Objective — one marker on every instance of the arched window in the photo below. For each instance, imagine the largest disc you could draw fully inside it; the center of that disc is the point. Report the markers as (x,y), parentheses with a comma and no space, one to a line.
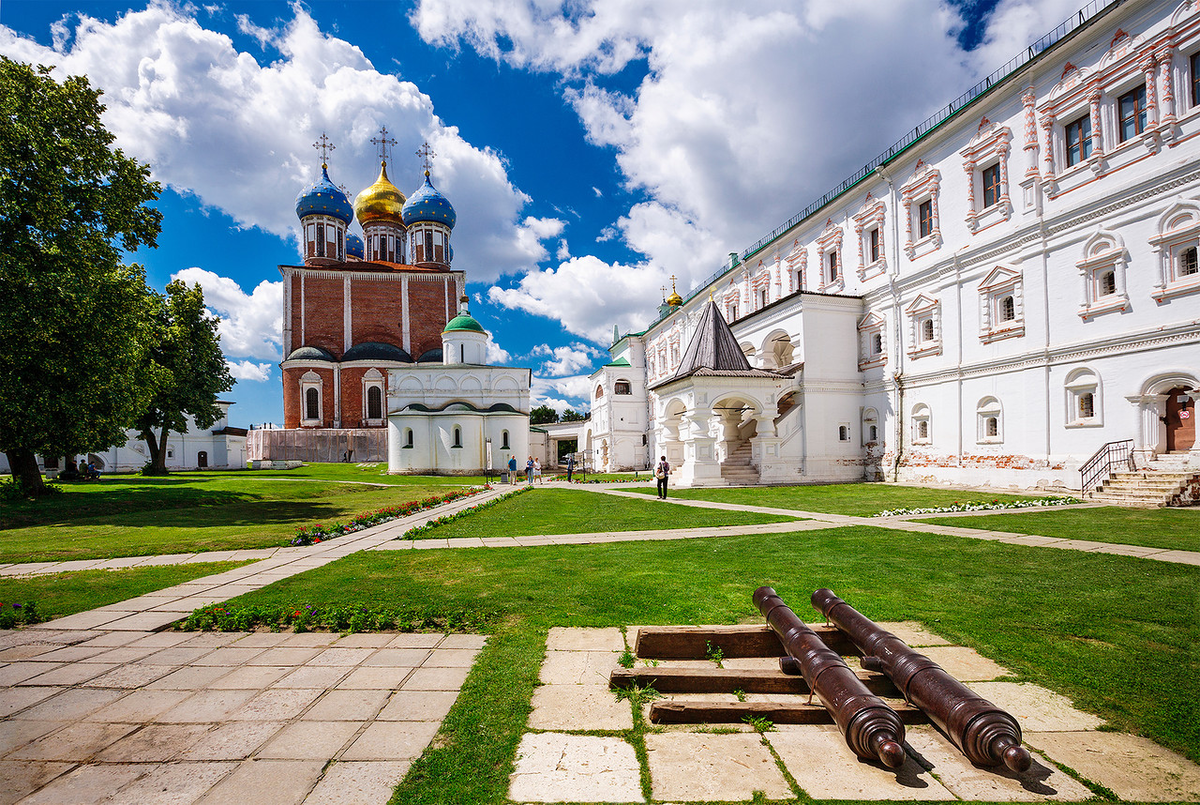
(876,344)
(599,392)
(457,437)
(1108,283)
(921,424)
(873,433)
(504,441)
(843,433)
(1083,399)
(927,330)
(202,459)
(1187,262)
(374,402)
(408,437)
(622,387)
(1008,310)
(988,414)
(312,404)
(1087,405)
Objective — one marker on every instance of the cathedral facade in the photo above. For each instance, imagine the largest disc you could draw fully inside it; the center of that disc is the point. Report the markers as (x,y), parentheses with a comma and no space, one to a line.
(993,300)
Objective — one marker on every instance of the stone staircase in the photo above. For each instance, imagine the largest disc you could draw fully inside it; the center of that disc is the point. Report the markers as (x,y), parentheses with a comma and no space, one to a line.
(1166,481)
(736,469)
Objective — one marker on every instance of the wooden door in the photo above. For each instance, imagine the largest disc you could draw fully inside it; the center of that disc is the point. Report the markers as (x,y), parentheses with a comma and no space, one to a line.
(1181,421)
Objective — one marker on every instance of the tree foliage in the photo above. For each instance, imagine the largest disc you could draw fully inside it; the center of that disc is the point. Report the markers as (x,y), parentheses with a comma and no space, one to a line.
(71,315)
(184,369)
(571,415)
(543,415)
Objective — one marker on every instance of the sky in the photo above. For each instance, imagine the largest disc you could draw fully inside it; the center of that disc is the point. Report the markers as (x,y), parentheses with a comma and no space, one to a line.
(593,149)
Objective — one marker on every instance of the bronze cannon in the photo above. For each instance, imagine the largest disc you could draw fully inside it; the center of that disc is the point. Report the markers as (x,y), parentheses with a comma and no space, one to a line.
(987,735)
(872,729)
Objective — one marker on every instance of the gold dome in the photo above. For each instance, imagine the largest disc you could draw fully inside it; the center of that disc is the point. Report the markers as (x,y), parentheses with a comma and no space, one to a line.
(674,300)
(381,201)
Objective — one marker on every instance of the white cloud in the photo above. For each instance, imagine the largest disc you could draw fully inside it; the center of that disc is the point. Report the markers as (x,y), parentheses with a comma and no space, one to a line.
(566,360)
(215,122)
(496,354)
(251,324)
(561,393)
(251,371)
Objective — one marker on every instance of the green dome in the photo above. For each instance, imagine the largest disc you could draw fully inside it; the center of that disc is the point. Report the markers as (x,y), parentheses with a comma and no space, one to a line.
(463,321)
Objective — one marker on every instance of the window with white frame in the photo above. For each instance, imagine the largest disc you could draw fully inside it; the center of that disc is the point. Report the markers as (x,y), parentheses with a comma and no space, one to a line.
(829,255)
(1078,140)
(457,437)
(844,432)
(622,387)
(921,220)
(1103,272)
(1002,305)
(868,227)
(310,399)
(870,341)
(925,326)
(797,262)
(922,424)
(372,384)
(408,437)
(1083,399)
(988,415)
(985,162)
(1175,245)
(870,434)
(1131,114)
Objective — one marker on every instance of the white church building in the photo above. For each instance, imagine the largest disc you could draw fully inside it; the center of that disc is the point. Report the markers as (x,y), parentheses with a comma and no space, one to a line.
(996,298)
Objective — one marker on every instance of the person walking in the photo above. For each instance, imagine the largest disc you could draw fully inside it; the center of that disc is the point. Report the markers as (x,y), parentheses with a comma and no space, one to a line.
(661,473)
(537,469)
(512,470)
(529,471)
(570,466)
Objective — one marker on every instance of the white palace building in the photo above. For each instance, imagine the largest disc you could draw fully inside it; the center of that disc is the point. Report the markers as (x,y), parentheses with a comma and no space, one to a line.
(993,300)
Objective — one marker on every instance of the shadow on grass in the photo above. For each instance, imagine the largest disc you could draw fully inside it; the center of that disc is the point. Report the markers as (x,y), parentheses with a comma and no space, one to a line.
(117,496)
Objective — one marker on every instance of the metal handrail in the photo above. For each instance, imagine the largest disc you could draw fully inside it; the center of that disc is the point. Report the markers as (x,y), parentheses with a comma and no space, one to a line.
(1099,467)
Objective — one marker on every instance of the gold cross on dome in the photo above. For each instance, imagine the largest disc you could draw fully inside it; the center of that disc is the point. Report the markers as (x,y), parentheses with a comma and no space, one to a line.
(324,145)
(384,142)
(426,153)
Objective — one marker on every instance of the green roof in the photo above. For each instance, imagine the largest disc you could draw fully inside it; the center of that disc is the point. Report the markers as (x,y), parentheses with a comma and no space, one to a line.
(463,322)
(620,362)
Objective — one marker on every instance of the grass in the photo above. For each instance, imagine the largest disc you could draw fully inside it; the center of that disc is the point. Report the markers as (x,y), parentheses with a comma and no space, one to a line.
(62,594)
(128,515)
(571,511)
(1116,634)
(859,499)
(1172,529)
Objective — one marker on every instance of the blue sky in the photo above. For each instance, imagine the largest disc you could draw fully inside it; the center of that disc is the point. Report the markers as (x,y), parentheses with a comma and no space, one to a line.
(592,149)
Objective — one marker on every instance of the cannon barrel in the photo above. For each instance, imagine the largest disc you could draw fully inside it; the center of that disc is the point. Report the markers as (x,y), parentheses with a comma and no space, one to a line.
(872,729)
(986,734)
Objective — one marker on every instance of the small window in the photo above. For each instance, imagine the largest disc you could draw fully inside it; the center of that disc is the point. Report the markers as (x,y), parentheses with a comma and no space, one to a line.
(873,433)
(877,344)
(991,185)
(341,247)
(599,392)
(1008,309)
(170,452)
(833,266)
(1187,262)
(458,437)
(1108,283)
(923,430)
(927,330)
(843,433)
(992,427)
(320,240)
(1131,109)
(1195,64)
(1079,140)
(762,298)
(504,441)
(312,404)
(408,437)
(873,244)
(374,403)
(925,219)
(622,387)
(1087,405)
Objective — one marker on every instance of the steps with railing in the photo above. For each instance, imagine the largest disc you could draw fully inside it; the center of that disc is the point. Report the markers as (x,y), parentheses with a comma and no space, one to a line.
(1100,467)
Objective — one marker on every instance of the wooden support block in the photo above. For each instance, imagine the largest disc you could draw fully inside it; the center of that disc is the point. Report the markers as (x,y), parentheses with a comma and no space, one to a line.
(666,679)
(700,712)
(692,642)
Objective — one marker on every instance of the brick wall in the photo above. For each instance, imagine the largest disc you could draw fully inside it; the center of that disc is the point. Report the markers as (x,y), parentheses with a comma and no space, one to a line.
(292,402)
(324,313)
(427,304)
(377,310)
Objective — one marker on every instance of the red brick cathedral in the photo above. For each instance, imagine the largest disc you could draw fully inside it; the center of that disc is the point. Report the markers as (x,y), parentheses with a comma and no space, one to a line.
(362,305)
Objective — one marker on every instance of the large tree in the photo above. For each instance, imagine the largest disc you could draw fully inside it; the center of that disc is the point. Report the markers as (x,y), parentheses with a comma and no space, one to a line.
(543,415)
(184,370)
(72,323)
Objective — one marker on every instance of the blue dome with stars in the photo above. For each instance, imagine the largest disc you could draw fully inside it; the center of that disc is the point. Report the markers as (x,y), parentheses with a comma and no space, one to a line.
(325,198)
(427,204)
(355,246)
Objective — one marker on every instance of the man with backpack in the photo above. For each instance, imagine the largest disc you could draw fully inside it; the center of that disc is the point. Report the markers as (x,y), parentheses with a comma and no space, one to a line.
(661,473)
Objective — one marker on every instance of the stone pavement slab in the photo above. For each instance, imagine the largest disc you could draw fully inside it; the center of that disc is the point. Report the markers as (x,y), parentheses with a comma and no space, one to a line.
(578,707)
(709,767)
(1042,781)
(554,767)
(302,740)
(564,639)
(823,765)
(392,740)
(279,782)
(357,782)
(964,664)
(1035,708)
(88,784)
(1133,768)
(19,779)
(172,784)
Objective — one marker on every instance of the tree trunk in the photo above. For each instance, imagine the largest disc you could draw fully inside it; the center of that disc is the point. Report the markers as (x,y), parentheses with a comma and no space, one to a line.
(24,467)
(158,452)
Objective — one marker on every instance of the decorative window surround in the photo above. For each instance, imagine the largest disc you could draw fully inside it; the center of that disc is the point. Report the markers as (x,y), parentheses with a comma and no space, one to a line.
(922,424)
(989,147)
(311,381)
(872,348)
(869,220)
(923,186)
(797,261)
(759,285)
(1002,305)
(732,297)
(1104,252)
(989,421)
(870,434)
(1083,400)
(924,309)
(830,244)
(373,379)
(1175,247)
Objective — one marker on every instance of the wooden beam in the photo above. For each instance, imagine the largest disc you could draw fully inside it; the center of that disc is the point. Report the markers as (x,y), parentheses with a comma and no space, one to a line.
(666,679)
(692,642)
(694,712)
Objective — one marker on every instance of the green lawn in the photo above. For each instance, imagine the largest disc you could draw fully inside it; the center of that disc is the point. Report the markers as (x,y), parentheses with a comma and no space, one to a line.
(570,511)
(860,499)
(1173,529)
(128,515)
(1116,634)
(61,594)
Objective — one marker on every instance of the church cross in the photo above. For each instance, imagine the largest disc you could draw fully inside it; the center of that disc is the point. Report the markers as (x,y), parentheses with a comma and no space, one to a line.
(324,145)
(426,154)
(384,142)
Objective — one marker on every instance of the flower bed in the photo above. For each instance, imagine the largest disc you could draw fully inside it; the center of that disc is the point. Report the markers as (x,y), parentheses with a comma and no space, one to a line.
(22,614)
(981,506)
(344,618)
(319,532)
(417,531)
